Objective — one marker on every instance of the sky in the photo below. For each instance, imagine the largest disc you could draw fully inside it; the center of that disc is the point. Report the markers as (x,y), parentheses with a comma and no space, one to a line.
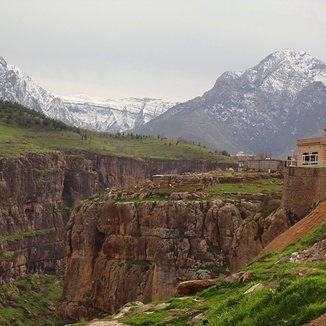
(165,49)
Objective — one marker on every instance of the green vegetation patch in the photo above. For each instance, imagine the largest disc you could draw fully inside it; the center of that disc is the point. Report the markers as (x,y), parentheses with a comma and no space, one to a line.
(31,301)
(172,314)
(261,185)
(291,303)
(23,130)
(22,235)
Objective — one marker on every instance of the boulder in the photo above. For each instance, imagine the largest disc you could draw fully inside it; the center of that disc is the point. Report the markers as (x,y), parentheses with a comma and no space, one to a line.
(191,287)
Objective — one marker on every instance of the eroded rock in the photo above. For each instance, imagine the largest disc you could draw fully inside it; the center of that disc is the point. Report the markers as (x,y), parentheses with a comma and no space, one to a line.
(191,287)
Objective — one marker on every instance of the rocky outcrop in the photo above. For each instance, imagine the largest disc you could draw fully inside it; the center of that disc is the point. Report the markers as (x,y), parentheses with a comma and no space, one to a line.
(38,192)
(193,286)
(121,252)
(251,237)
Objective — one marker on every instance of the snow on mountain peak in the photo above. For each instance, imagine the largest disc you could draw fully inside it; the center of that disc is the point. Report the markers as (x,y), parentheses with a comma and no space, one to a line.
(300,61)
(79,110)
(3,62)
(113,115)
(286,70)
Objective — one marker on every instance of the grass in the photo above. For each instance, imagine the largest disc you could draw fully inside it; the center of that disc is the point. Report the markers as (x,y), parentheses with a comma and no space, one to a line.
(31,301)
(19,236)
(260,185)
(39,140)
(292,302)
(24,131)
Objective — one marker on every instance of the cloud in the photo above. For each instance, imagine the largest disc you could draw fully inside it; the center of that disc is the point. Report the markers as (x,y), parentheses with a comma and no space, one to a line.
(163,48)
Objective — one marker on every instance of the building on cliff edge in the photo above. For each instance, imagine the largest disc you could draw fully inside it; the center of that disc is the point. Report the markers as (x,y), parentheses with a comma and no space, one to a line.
(312,152)
(305,184)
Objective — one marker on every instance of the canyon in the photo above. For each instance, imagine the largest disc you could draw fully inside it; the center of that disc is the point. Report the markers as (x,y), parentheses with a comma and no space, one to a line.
(123,230)
(139,243)
(37,195)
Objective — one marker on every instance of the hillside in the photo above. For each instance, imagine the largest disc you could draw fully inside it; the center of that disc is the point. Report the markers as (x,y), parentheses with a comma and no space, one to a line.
(291,282)
(24,130)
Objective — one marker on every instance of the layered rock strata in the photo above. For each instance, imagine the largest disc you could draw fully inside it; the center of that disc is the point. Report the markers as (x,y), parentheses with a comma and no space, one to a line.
(121,252)
(38,192)
(122,248)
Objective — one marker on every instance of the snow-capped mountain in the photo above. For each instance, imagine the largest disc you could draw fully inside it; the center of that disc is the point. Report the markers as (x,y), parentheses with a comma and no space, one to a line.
(113,115)
(15,86)
(263,109)
(81,110)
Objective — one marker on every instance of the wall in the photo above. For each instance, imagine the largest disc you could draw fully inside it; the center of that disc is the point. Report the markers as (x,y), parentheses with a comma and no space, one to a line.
(303,187)
(263,165)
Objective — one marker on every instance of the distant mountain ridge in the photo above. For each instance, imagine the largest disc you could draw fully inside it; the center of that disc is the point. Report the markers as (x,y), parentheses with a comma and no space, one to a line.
(262,109)
(80,110)
(265,108)
(114,115)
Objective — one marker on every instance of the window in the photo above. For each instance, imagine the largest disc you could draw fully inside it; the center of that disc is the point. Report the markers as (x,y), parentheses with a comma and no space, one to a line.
(310,158)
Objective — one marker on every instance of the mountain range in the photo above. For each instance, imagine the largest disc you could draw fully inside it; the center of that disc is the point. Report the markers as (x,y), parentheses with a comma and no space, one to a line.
(81,110)
(265,108)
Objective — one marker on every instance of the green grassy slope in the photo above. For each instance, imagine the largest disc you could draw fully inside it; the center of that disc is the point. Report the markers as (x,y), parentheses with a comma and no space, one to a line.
(31,301)
(23,130)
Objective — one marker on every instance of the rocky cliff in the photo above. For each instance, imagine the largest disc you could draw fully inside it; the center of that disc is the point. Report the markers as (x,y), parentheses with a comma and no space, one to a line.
(251,237)
(127,246)
(38,192)
(121,252)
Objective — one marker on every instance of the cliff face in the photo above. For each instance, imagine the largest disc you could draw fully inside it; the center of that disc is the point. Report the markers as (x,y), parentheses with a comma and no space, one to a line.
(250,238)
(122,248)
(121,252)
(30,210)
(38,191)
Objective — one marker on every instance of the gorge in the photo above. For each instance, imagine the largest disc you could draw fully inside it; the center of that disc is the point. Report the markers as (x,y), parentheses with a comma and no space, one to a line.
(138,244)
(37,194)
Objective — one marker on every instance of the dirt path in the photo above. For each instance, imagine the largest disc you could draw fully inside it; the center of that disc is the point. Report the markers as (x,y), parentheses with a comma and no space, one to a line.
(321,321)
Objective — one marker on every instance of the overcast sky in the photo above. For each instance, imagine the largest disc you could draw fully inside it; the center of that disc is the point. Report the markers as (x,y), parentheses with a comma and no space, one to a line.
(168,49)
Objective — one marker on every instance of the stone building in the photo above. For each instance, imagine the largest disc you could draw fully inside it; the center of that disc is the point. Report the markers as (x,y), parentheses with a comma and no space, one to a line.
(312,152)
(305,185)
